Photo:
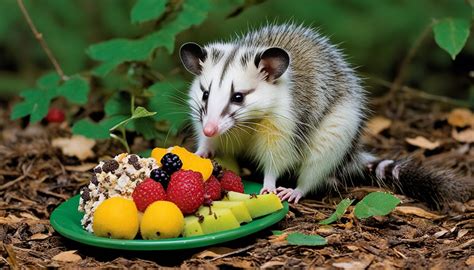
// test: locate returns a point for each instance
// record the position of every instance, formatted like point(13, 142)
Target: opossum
point(284, 96)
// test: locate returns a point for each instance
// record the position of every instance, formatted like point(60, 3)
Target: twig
point(422, 94)
point(42, 42)
point(233, 252)
point(399, 79)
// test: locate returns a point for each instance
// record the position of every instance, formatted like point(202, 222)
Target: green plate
point(66, 220)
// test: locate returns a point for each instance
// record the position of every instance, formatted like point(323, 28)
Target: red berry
point(231, 182)
point(186, 190)
point(55, 116)
point(147, 192)
point(212, 187)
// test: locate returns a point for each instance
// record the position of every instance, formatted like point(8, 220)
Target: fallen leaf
point(272, 264)
point(412, 210)
point(423, 142)
point(76, 146)
point(352, 248)
point(39, 236)
point(67, 256)
point(460, 117)
point(470, 260)
point(465, 136)
point(461, 233)
point(236, 263)
point(80, 168)
point(440, 233)
point(28, 216)
point(355, 264)
point(378, 124)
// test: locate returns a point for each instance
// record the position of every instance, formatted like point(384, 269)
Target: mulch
point(36, 177)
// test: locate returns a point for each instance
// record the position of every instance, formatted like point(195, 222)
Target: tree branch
point(42, 42)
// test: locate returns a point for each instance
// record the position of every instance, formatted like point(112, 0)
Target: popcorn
point(111, 178)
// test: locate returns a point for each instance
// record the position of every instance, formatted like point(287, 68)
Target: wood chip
point(465, 136)
point(423, 142)
point(39, 236)
point(67, 256)
point(461, 117)
point(80, 168)
point(378, 124)
point(413, 210)
point(76, 146)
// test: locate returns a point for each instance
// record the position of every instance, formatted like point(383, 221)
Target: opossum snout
point(211, 129)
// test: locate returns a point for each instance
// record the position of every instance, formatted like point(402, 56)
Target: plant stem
point(132, 104)
point(122, 139)
point(42, 42)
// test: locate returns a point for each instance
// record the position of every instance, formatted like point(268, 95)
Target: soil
point(36, 177)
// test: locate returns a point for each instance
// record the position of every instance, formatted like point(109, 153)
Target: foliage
point(137, 66)
point(376, 204)
point(340, 210)
point(301, 239)
point(373, 204)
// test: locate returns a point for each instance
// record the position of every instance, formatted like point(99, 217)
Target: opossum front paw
point(292, 195)
point(268, 189)
point(205, 153)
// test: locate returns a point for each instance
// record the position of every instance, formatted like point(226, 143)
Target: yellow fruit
point(194, 162)
point(162, 219)
point(116, 217)
point(157, 153)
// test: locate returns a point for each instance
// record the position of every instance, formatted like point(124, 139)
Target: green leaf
point(100, 130)
point(146, 127)
point(451, 34)
point(277, 232)
point(301, 239)
point(146, 10)
point(48, 81)
point(36, 104)
point(376, 204)
point(169, 103)
point(139, 112)
point(76, 89)
point(118, 104)
point(340, 210)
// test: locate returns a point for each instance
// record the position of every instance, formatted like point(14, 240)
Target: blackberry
point(171, 163)
point(160, 176)
point(217, 169)
point(110, 166)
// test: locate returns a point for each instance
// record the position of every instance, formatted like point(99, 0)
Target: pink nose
point(210, 129)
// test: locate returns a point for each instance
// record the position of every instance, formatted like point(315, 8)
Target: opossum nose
point(210, 129)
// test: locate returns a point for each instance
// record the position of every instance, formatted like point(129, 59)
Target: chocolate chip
point(137, 166)
point(132, 159)
point(110, 166)
point(98, 169)
point(85, 194)
point(94, 180)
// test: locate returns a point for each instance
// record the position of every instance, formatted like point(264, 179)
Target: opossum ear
point(192, 56)
point(273, 61)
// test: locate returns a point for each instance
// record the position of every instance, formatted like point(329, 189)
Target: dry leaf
point(423, 142)
point(412, 210)
point(465, 136)
point(460, 117)
point(236, 263)
point(67, 256)
point(28, 216)
point(352, 264)
point(39, 236)
point(461, 233)
point(378, 124)
point(470, 260)
point(440, 233)
point(80, 168)
point(76, 146)
point(213, 252)
point(272, 264)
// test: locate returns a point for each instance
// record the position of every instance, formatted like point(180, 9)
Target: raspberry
point(171, 163)
point(186, 190)
point(231, 182)
point(212, 187)
point(216, 169)
point(159, 175)
point(148, 192)
point(55, 116)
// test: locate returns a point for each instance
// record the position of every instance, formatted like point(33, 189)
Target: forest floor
point(36, 177)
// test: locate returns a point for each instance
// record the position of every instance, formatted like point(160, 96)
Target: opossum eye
point(237, 98)
point(205, 95)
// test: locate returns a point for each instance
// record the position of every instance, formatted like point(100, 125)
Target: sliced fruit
point(192, 227)
point(258, 205)
point(194, 162)
point(116, 217)
point(219, 220)
point(162, 219)
point(157, 153)
point(238, 208)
